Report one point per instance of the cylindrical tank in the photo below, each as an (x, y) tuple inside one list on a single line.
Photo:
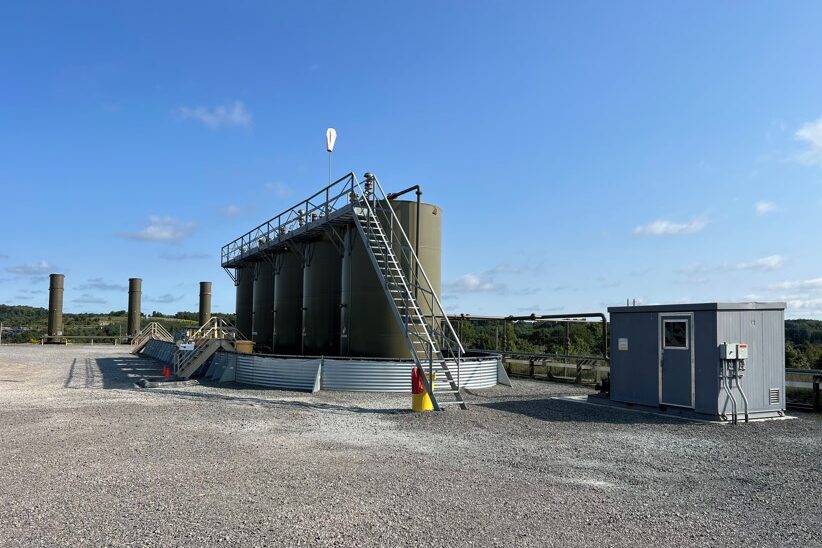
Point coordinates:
[(135, 292), (55, 326), (244, 306), (288, 301), (205, 302), (321, 298), (369, 328), (262, 323)]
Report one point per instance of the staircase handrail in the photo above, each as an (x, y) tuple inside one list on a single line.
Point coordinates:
[(436, 304)]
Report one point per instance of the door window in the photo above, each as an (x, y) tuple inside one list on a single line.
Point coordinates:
[(675, 334)]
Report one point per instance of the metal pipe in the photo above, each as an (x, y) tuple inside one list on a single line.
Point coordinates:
[(135, 290), (394, 195), (55, 323), (205, 303), (536, 317), (725, 385), (737, 376)]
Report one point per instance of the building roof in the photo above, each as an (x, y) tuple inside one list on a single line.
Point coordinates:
[(696, 306)]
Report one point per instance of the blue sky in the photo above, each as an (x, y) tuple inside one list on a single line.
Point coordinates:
[(582, 153)]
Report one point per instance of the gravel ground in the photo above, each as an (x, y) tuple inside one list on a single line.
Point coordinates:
[(86, 459)]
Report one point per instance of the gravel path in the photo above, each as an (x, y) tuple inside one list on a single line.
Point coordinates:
[(86, 459)]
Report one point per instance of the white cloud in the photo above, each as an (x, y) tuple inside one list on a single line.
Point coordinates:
[(771, 262), (232, 211), (235, 115), (164, 299), (100, 285), (184, 256), (810, 134), (763, 207), (662, 227), (86, 298), (35, 269), (279, 189), (162, 229), (472, 283), (814, 283)]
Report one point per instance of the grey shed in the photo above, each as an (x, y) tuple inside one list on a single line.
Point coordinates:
[(669, 356)]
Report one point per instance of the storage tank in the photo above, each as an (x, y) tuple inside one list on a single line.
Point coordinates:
[(321, 298), (245, 299), (369, 328), (288, 301), (262, 323), (55, 321)]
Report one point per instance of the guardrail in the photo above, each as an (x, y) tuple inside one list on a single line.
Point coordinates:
[(814, 385), (316, 207)]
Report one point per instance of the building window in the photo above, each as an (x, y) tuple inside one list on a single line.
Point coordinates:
[(675, 334)]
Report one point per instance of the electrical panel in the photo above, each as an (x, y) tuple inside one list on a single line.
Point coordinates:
[(727, 351), (741, 351)]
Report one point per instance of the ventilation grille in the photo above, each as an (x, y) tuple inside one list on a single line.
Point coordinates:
[(773, 396)]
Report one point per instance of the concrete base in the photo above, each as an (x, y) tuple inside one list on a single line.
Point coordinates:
[(668, 411)]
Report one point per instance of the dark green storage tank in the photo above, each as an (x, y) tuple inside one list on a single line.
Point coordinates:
[(368, 327), (321, 298), (262, 323), (245, 299), (288, 301)]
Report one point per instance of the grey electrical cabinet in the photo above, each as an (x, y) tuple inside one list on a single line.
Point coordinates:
[(706, 358)]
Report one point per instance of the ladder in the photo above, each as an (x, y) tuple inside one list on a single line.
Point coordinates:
[(428, 333), (152, 331), (215, 334), (187, 363)]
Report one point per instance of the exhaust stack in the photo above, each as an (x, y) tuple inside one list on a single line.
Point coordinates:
[(55, 326), (205, 302), (135, 293)]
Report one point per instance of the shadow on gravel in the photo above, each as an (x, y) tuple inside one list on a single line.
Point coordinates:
[(117, 372), (273, 404), (552, 410)]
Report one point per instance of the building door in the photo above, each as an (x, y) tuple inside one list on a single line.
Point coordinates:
[(676, 360)]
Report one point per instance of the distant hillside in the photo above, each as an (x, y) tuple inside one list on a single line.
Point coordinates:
[(27, 323), (803, 338)]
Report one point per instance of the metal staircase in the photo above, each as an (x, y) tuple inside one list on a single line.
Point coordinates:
[(152, 331), (429, 335), (186, 363), (214, 335)]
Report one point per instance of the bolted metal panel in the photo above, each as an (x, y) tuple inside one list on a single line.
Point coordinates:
[(321, 298), (55, 322), (262, 323), (395, 376), (293, 374), (245, 299), (205, 302), (288, 301), (162, 351), (368, 325), (135, 290)]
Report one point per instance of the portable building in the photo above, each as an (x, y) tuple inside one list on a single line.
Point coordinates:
[(709, 358)]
